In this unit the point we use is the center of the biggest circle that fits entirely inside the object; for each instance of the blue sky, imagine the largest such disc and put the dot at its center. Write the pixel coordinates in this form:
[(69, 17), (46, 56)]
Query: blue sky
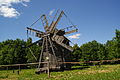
[(95, 19)]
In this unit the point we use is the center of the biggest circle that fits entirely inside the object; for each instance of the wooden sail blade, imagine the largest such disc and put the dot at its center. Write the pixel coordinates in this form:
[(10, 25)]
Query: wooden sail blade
[(34, 30), (75, 30), (38, 33), (45, 22), (64, 45), (54, 23)]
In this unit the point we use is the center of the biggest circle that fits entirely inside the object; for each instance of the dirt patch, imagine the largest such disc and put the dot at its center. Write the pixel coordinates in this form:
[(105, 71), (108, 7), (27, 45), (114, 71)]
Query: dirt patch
[(103, 71)]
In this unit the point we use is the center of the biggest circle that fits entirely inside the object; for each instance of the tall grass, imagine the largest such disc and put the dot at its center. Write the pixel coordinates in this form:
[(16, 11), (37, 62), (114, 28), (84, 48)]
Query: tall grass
[(105, 72)]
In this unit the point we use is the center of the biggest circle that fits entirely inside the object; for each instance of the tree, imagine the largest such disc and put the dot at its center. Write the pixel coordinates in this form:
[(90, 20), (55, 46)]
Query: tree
[(32, 50), (76, 54), (92, 51), (117, 43), (110, 49), (113, 47), (12, 52)]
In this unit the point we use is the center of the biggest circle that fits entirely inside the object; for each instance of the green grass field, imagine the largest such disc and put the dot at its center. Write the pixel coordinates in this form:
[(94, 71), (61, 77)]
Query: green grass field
[(105, 72)]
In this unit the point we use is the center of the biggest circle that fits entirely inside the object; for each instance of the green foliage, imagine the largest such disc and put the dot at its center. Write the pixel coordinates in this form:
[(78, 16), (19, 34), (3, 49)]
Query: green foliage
[(110, 49), (32, 50), (92, 51), (113, 47), (15, 51), (118, 43), (12, 52), (76, 54), (97, 51)]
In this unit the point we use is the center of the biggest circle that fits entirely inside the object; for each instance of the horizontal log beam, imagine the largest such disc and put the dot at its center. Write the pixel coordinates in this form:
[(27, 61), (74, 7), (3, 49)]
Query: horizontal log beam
[(59, 62), (75, 30)]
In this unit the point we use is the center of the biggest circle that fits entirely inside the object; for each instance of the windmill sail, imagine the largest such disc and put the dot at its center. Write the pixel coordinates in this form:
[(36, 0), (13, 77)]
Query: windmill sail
[(55, 46)]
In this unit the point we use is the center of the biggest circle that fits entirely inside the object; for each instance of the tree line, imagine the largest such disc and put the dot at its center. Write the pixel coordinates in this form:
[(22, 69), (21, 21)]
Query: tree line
[(15, 51)]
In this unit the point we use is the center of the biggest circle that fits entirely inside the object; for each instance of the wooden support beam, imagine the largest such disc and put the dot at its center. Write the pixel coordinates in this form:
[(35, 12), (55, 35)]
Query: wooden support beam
[(45, 22), (19, 68), (54, 23), (64, 45), (34, 30), (75, 30), (48, 69)]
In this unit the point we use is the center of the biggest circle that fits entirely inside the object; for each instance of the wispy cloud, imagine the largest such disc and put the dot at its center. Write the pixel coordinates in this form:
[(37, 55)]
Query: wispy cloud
[(7, 10), (24, 4), (51, 12), (76, 36)]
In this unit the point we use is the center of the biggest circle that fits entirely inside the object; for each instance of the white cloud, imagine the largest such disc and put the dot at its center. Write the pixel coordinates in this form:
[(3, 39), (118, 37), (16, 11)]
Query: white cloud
[(76, 36), (7, 10), (51, 12)]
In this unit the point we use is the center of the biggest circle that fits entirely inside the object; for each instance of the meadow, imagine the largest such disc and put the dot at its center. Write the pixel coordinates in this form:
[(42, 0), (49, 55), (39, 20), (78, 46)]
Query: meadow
[(104, 72)]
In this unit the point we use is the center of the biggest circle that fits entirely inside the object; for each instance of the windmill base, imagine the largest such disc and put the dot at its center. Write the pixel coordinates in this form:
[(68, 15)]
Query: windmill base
[(45, 70)]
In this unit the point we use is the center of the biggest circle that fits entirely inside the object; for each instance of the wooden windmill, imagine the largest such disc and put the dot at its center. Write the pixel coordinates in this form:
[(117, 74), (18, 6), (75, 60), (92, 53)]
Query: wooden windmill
[(55, 46)]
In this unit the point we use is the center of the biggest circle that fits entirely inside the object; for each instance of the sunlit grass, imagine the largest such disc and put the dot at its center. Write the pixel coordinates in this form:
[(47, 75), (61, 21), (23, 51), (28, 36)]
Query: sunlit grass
[(104, 72)]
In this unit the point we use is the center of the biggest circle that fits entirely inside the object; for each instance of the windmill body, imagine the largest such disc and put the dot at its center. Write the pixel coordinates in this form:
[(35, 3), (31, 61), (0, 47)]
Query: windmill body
[(55, 46)]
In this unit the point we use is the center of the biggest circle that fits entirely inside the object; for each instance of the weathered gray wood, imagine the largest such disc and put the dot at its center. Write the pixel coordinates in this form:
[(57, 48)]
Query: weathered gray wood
[(71, 31), (55, 46)]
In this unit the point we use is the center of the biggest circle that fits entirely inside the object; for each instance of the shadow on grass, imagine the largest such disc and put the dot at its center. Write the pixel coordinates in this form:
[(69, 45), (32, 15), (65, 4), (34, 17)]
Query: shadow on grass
[(80, 68), (62, 70), (3, 77)]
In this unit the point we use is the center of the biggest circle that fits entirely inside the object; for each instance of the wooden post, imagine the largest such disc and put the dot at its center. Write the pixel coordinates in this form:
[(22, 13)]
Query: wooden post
[(19, 68), (7, 68), (100, 63), (18, 72), (48, 69), (13, 71)]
